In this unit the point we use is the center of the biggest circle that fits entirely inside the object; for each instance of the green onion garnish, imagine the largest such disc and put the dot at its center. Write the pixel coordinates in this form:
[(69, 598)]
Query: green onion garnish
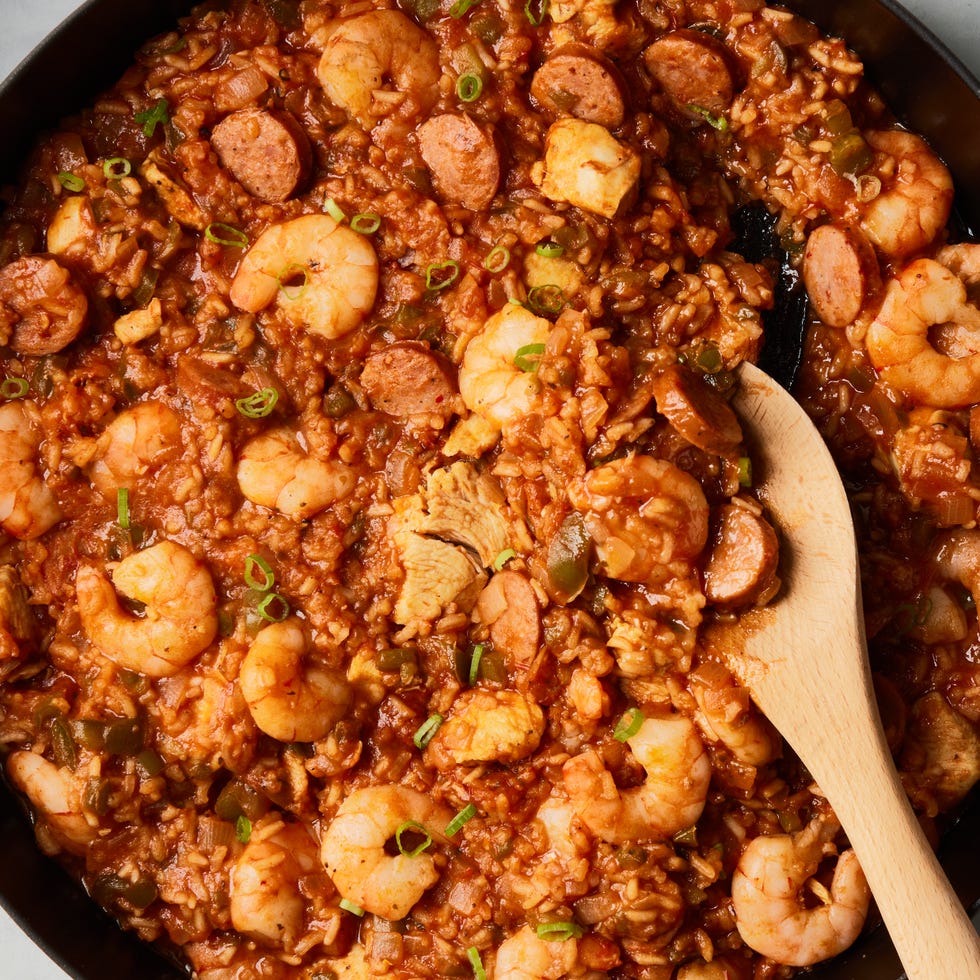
[(546, 299), (365, 224), (473, 955), (229, 235), (628, 725), (460, 820), (293, 290), (411, 825), (536, 11), (348, 906), (475, 663), (263, 584), (273, 608), (460, 7), (259, 404), (243, 829), (333, 209), (70, 182), (439, 275), (497, 260), (744, 471), (160, 113), (427, 730), (715, 122), (11, 388), (115, 168), (122, 508), (502, 559), (469, 87), (528, 357), (550, 250), (558, 931)]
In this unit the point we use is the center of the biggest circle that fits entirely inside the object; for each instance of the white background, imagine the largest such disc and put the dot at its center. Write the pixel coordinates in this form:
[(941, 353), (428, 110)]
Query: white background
[(25, 22)]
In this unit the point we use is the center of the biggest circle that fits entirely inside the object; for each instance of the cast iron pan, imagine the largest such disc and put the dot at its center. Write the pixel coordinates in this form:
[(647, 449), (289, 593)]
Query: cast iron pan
[(928, 88)]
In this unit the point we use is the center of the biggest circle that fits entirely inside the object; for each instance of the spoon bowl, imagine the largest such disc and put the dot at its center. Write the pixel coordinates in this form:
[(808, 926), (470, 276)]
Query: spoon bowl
[(805, 660)]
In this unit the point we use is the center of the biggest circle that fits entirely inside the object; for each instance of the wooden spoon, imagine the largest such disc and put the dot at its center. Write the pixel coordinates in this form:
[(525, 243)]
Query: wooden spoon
[(806, 663)]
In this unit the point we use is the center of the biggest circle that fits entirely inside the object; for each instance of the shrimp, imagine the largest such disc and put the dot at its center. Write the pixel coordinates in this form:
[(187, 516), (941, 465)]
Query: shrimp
[(288, 700), (642, 513), (180, 618), (923, 295), (726, 713), (28, 506), (525, 956), (491, 379), (136, 442), (669, 800), (265, 900), (958, 560), (717, 969), (368, 51), (275, 472), (353, 849), (769, 910), (322, 276), (56, 795), (916, 196)]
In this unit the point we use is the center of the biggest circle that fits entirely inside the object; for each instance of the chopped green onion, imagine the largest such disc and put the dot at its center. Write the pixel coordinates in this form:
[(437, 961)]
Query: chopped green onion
[(70, 182), (528, 357), (460, 7), (243, 829), (710, 360), (715, 122), (160, 113), (475, 663), (628, 725), (253, 562), (411, 825), (469, 87), (744, 471), (230, 235), (497, 260), (122, 508), (279, 611), (116, 168), (688, 837), (460, 820), (259, 404), (427, 730), (11, 388), (502, 559), (558, 931), (536, 11), (550, 250), (365, 224), (333, 209), (348, 906), (473, 955), (439, 275), (546, 299), (290, 289)]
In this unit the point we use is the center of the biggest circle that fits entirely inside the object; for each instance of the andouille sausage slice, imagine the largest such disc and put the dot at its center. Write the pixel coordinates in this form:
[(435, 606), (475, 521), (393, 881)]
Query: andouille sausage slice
[(841, 274), (744, 557), (576, 83), (406, 378), (463, 159), (42, 308), (694, 69), (268, 153), (696, 411)]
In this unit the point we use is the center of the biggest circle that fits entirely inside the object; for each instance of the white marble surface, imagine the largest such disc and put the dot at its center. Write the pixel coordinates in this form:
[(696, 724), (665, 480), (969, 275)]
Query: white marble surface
[(23, 23)]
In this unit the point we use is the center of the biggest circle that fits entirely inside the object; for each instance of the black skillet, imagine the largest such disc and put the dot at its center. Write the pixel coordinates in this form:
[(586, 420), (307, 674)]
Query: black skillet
[(920, 80)]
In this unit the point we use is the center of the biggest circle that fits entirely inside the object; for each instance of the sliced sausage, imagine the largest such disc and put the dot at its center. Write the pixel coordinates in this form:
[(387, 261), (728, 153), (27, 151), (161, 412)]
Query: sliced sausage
[(743, 561), (840, 270), (267, 153), (42, 309), (693, 69), (696, 411), (462, 158), (509, 607), (406, 378), (575, 83)]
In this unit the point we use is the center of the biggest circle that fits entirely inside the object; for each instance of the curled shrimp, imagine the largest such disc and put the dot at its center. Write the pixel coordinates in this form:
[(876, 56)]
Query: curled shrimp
[(916, 194), (364, 53), (180, 619), (958, 560), (354, 854), (642, 513), (322, 276), (925, 294), (274, 471), (265, 900), (287, 699), (134, 444), (767, 897), (28, 506), (671, 797), (495, 380), (525, 956), (56, 795)]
